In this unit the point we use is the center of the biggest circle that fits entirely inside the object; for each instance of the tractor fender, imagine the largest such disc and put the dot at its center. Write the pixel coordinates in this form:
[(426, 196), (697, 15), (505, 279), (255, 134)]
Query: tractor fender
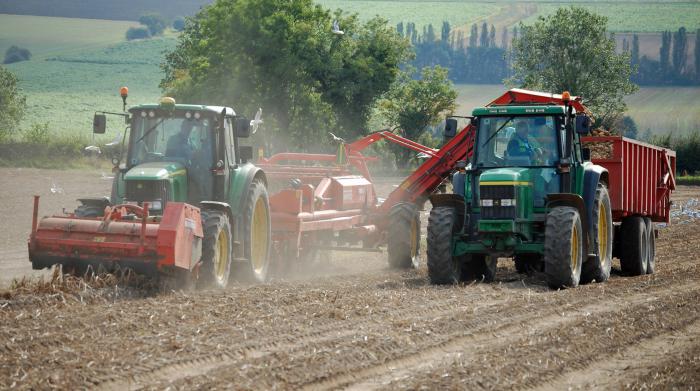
[(574, 201), (453, 200), (216, 205), (241, 183), (592, 175)]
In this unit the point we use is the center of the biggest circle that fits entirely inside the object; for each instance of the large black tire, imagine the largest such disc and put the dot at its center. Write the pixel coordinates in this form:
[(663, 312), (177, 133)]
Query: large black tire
[(478, 267), (88, 211), (651, 242), (257, 236), (563, 247), (634, 248), (601, 239), (404, 236), (443, 268), (528, 263), (216, 250)]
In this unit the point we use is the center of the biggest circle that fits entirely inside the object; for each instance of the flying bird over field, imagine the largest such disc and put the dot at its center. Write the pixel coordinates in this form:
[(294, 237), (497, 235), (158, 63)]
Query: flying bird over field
[(336, 28)]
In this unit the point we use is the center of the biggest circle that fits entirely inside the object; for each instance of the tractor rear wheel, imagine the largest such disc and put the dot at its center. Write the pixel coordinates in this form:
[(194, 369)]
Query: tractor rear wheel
[(602, 238), (635, 246), (216, 249), (563, 247), (257, 235), (651, 242), (443, 268), (478, 267), (404, 237)]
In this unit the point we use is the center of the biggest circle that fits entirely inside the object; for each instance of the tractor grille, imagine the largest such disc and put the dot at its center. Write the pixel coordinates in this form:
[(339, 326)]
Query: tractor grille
[(141, 191), (498, 193)]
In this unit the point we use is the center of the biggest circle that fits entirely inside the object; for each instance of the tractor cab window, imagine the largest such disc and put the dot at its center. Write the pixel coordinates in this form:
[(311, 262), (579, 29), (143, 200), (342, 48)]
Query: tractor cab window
[(174, 138), (505, 141)]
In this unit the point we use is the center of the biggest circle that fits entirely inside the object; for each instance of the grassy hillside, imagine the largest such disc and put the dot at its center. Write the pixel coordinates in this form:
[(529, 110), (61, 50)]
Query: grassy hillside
[(660, 109), (46, 37), (78, 67), (101, 9)]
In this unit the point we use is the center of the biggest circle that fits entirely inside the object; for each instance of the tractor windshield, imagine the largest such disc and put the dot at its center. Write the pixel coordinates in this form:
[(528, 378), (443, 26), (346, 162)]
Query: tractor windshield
[(172, 138), (523, 141)]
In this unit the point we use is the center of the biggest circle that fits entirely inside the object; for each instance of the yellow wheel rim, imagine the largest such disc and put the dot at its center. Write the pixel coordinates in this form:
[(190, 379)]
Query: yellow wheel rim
[(259, 237), (574, 248), (602, 235), (221, 256), (414, 238)]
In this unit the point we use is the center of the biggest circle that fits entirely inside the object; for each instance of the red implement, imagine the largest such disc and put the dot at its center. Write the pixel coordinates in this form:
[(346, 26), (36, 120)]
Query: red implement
[(126, 236)]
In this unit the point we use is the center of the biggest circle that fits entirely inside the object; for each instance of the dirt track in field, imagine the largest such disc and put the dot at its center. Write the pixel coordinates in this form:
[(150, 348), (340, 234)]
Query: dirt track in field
[(363, 327)]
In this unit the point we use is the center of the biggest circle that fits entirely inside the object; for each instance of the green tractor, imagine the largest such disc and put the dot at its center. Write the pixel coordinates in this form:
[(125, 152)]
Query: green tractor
[(528, 191), (192, 154)]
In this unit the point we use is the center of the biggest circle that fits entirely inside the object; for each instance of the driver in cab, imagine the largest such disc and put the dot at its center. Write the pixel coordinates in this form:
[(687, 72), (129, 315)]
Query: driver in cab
[(522, 144), (179, 144)]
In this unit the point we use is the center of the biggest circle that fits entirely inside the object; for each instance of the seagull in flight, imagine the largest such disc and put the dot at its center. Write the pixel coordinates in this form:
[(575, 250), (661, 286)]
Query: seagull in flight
[(336, 28)]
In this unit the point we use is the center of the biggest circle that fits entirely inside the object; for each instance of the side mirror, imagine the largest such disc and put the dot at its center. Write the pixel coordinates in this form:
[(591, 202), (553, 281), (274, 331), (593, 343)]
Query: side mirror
[(246, 152), (450, 128), (99, 124), (583, 124), (242, 127), (586, 154)]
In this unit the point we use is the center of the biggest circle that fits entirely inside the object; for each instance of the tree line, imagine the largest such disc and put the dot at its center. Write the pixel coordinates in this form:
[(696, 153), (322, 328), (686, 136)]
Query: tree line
[(672, 67), (484, 57)]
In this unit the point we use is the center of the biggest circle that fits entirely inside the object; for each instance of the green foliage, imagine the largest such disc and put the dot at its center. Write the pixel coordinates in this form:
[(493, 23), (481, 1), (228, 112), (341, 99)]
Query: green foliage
[(687, 150), (412, 105), (12, 104), (282, 56), (179, 23), (570, 51), (16, 54), (154, 22), (37, 134), (137, 33)]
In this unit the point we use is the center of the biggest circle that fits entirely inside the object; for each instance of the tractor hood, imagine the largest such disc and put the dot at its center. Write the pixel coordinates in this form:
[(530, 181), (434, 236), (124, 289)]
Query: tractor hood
[(155, 171), (513, 176)]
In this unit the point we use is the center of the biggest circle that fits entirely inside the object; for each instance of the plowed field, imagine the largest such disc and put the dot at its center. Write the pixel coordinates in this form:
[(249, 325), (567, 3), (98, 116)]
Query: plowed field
[(352, 323)]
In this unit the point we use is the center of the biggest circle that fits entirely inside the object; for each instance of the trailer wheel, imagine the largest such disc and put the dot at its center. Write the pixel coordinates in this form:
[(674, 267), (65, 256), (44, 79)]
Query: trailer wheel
[(651, 242), (443, 268), (478, 267), (528, 263), (634, 248), (257, 237), (216, 250), (404, 237), (602, 238), (563, 247)]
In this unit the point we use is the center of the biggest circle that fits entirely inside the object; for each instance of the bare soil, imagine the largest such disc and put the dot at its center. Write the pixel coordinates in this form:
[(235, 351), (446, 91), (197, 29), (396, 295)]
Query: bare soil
[(349, 323)]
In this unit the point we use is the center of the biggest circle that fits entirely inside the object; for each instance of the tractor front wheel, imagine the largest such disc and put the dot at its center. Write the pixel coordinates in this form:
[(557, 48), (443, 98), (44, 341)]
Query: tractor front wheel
[(563, 247), (602, 239), (443, 268), (216, 249), (404, 236), (257, 235)]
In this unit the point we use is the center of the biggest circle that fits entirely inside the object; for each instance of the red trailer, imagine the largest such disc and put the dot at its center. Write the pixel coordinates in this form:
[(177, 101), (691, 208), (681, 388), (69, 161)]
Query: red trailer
[(642, 176)]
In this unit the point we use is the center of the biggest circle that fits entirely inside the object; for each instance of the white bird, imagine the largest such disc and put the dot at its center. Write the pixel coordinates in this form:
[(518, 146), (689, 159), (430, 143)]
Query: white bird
[(93, 148), (255, 123), (336, 138), (336, 28), (116, 141), (55, 189)]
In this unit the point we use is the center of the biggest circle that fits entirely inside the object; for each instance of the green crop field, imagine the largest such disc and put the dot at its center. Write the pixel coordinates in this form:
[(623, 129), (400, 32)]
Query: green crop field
[(421, 13), (45, 36), (660, 109), (637, 16), (78, 67)]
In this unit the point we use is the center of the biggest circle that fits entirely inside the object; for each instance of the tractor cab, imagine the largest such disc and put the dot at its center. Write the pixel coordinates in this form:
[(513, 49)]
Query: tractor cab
[(178, 152)]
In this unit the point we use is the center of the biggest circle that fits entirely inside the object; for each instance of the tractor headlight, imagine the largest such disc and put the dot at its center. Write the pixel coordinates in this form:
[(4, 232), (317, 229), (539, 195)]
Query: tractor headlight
[(486, 202), (156, 205), (508, 202)]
